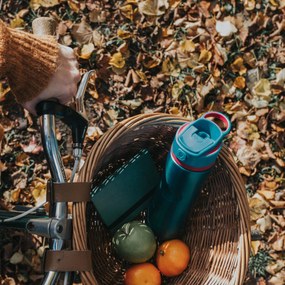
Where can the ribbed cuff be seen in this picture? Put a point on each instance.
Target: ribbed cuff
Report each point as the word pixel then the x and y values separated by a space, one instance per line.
pixel 32 62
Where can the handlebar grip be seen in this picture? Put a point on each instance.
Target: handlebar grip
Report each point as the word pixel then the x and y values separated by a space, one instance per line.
pixel 44 26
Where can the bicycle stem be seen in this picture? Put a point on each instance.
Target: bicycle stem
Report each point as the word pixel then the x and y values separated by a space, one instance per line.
pixel 58 175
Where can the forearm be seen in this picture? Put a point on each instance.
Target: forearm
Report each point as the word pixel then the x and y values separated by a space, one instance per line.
pixel 28 61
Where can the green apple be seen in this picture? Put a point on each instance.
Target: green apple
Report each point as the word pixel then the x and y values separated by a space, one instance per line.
pixel 134 242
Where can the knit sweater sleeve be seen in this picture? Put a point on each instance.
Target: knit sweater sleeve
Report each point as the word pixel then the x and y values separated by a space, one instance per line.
pixel 28 61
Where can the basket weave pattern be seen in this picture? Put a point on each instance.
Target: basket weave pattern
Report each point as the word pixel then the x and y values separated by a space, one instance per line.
pixel 217 229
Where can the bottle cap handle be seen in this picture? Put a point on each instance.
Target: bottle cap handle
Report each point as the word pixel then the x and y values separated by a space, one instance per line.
pixel 221 117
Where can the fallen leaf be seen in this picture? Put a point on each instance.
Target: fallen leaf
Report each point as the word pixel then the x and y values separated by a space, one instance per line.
pixel 205 56
pixel 258 207
pixel 48 3
pixel 239 82
pixel 238 66
pixel 32 147
pixel 226 28
pixel 255 246
pixel 74 5
pixel 87 50
pixel 264 224
pixel 16 258
pixel 82 32
pixel 262 89
pixel 128 11
pixel 248 157
pixel 117 60
pixel 153 7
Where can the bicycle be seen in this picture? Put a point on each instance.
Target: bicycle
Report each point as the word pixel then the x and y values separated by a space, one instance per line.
pixel 81 243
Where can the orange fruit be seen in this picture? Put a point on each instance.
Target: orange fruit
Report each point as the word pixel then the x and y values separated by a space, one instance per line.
pixel 172 257
pixel 142 274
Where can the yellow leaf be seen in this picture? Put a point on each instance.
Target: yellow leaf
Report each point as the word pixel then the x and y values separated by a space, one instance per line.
pixel 141 75
pixel 249 4
pixel 174 3
pixel 239 82
pixel 238 66
pixel 15 194
pixel 17 23
pixel 39 192
pixel 74 5
pixel 174 111
pixel 48 3
pixel 187 46
pixel 87 50
pixel 274 3
pixel 268 195
pixel 205 56
pixel 177 89
pixel 255 245
pixel 262 89
pixel 257 208
pixel 128 11
pixel 124 34
pixel 117 60
pixel 35 4
pixel 169 68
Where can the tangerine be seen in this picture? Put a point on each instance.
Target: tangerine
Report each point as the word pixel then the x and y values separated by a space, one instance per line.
pixel 172 257
pixel 142 274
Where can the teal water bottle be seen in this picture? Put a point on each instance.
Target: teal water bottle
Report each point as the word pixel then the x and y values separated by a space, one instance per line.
pixel 193 152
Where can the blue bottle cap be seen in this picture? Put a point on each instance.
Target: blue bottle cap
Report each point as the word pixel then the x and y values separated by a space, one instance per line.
pixel 197 144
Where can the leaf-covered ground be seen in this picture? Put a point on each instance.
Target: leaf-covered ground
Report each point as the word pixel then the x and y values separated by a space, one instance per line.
pixel 176 56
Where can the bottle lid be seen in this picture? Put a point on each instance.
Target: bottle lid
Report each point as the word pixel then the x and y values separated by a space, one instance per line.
pixel 197 143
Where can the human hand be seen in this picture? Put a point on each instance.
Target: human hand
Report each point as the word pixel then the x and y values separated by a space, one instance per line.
pixel 63 84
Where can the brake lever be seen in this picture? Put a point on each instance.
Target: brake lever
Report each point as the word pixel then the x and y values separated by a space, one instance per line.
pixel 79 97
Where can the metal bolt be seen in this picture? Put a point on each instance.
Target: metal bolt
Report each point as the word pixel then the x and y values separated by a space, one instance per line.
pixel 59 228
pixel 30 226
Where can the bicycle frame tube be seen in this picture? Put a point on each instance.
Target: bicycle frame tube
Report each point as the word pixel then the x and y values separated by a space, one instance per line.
pixel 58 175
pixel 18 224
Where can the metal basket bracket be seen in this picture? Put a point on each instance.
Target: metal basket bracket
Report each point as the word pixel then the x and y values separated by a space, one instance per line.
pixel 67 260
pixel 68 192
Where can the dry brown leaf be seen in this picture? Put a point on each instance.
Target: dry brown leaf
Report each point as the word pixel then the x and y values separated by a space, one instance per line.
pixel 279 244
pixel 186 46
pixel 275 267
pixel 264 223
pixel 32 147
pixel 74 5
pixel 257 208
pixel 268 195
pixel 153 7
pixel 239 82
pixel 176 90
pixel 248 131
pixel 124 34
pixel 35 4
pixel 238 66
pixel 82 32
pixel 248 156
pixel 277 204
pixel 205 56
pixel 86 51
pixel 128 11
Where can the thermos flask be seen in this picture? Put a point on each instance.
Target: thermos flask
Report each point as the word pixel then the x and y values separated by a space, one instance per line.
pixel 193 153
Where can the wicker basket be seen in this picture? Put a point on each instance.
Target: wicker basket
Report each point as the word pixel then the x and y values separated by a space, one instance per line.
pixel 217 229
